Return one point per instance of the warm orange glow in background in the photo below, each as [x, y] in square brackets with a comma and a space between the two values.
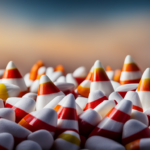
[74, 44]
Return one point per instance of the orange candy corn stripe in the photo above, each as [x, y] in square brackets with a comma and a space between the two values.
[11, 73]
[83, 91]
[117, 75]
[47, 88]
[144, 85]
[57, 108]
[135, 145]
[108, 68]
[130, 67]
[89, 76]
[99, 75]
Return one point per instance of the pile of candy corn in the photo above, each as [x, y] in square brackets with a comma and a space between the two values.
[48, 109]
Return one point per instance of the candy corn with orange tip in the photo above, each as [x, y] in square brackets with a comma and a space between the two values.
[117, 75]
[130, 71]
[60, 68]
[144, 89]
[100, 80]
[46, 92]
[110, 72]
[84, 88]
[13, 76]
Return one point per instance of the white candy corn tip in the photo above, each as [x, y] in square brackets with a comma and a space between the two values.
[98, 64]
[80, 72]
[11, 65]
[69, 101]
[146, 74]
[128, 59]
[41, 70]
[44, 79]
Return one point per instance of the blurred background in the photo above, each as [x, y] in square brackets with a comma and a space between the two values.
[74, 34]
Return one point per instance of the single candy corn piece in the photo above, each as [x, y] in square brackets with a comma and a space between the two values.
[134, 98]
[66, 88]
[7, 113]
[81, 101]
[112, 124]
[67, 115]
[19, 133]
[35, 84]
[28, 145]
[8, 90]
[102, 143]
[109, 72]
[46, 92]
[144, 89]
[115, 96]
[140, 144]
[23, 107]
[130, 72]
[134, 130]
[95, 98]
[34, 70]
[100, 80]
[140, 116]
[43, 138]
[60, 68]
[84, 88]
[68, 140]
[117, 75]
[105, 107]
[53, 103]
[10, 102]
[13, 76]
[115, 84]
[80, 74]
[61, 79]
[123, 89]
[40, 120]
[6, 141]
[71, 79]
[31, 95]
[88, 120]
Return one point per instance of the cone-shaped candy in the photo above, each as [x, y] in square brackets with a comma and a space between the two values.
[111, 126]
[117, 75]
[46, 92]
[19, 133]
[134, 98]
[8, 90]
[61, 79]
[102, 143]
[147, 112]
[23, 107]
[6, 141]
[144, 89]
[35, 84]
[68, 140]
[115, 96]
[13, 76]
[109, 72]
[31, 95]
[7, 113]
[80, 74]
[95, 98]
[140, 116]
[45, 118]
[140, 144]
[115, 84]
[123, 89]
[60, 68]
[134, 130]
[28, 145]
[67, 115]
[88, 120]
[71, 79]
[43, 138]
[10, 102]
[81, 101]
[66, 88]
[130, 71]
[84, 88]
[100, 80]
[105, 107]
